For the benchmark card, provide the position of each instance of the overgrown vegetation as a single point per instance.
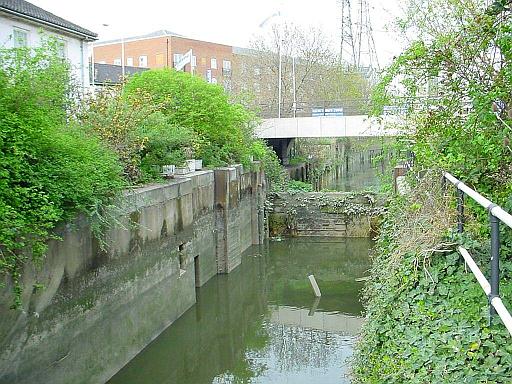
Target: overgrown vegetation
(223, 132)
(427, 317)
(449, 79)
(61, 156)
(49, 170)
(299, 186)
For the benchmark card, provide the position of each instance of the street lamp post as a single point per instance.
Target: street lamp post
(294, 90)
(280, 87)
(280, 70)
(92, 57)
(122, 57)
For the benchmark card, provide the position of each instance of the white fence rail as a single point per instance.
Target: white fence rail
(496, 214)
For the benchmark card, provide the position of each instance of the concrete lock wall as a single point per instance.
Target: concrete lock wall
(325, 214)
(101, 306)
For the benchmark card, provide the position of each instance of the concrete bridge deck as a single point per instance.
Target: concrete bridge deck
(327, 126)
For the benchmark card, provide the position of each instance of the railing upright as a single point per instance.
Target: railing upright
(460, 211)
(496, 214)
(495, 260)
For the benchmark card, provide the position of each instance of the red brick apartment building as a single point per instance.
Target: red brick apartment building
(163, 48)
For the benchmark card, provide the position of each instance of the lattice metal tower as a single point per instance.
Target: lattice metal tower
(366, 51)
(347, 43)
(357, 46)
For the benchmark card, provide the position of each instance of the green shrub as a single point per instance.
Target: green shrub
(117, 120)
(274, 171)
(299, 186)
(454, 127)
(165, 143)
(224, 131)
(49, 172)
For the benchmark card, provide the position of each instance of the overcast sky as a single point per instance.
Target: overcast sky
(232, 22)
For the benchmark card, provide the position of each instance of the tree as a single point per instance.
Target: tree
(467, 54)
(319, 78)
(464, 48)
(50, 170)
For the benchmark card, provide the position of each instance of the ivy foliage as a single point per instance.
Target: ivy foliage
(299, 186)
(427, 316)
(49, 170)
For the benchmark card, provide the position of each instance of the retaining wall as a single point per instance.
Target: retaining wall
(101, 306)
(325, 214)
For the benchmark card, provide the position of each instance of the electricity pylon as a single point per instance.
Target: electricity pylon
(357, 47)
(347, 43)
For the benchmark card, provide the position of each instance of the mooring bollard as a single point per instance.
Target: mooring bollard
(316, 290)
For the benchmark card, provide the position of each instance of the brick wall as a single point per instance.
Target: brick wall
(134, 49)
(160, 51)
(204, 52)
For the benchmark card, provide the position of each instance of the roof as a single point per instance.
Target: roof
(159, 33)
(26, 10)
(245, 51)
(111, 74)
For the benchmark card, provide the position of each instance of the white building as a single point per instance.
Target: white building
(22, 24)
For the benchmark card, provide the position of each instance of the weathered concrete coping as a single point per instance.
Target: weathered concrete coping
(181, 185)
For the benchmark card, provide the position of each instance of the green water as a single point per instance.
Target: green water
(262, 324)
(361, 175)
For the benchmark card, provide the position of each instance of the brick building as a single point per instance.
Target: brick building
(163, 48)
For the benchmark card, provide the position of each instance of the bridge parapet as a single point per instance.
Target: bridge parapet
(327, 126)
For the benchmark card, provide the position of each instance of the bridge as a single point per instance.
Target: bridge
(326, 127)
(280, 133)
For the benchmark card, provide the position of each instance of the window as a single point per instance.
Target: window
(143, 61)
(194, 61)
(213, 63)
(226, 68)
(117, 61)
(129, 61)
(20, 38)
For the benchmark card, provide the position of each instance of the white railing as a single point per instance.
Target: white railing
(496, 214)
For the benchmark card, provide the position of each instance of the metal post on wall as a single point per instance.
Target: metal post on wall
(495, 259)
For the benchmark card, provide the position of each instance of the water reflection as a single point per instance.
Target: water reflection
(322, 321)
(362, 173)
(261, 324)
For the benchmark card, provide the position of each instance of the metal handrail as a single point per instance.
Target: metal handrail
(494, 209)
(496, 214)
